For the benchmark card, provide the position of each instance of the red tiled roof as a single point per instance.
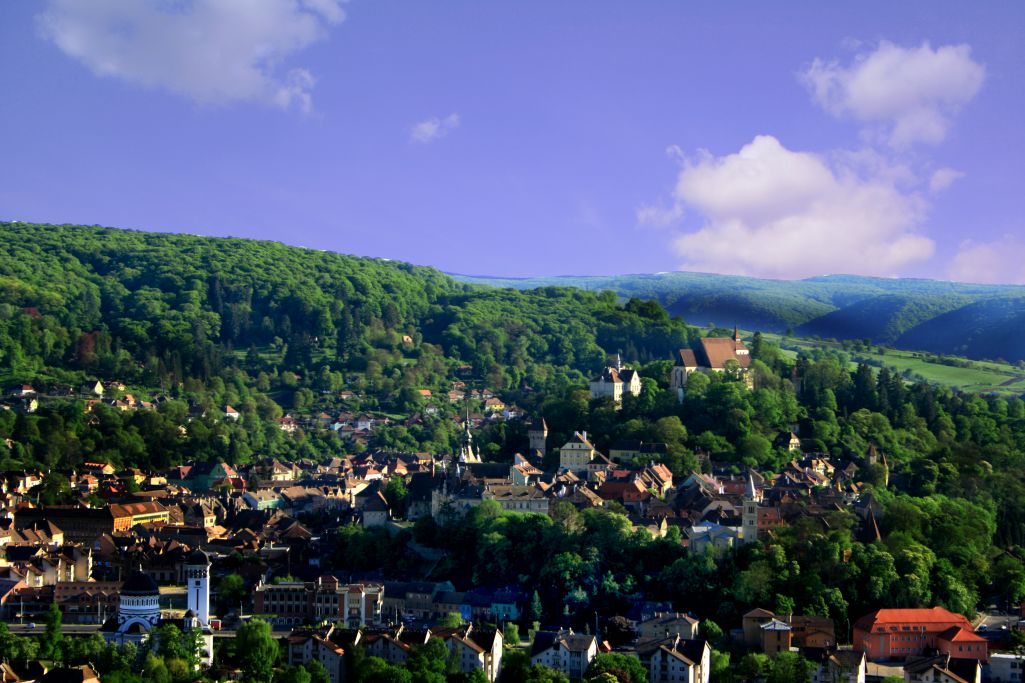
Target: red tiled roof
(896, 617)
(688, 359)
(956, 634)
(718, 350)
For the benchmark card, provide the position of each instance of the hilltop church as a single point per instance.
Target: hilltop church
(712, 355)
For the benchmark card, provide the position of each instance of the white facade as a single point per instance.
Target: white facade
(1006, 668)
(197, 578)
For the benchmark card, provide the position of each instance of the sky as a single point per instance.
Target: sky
(782, 140)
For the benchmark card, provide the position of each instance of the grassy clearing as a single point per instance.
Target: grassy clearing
(976, 376)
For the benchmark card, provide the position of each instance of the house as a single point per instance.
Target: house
(710, 537)
(1006, 667)
(836, 666)
(564, 651)
(713, 354)
(812, 631)
(472, 650)
(776, 636)
(129, 514)
(666, 624)
(231, 414)
(576, 454)
(515, 498)
(904, 633)
(787, 441)
(628, 450)
(676, 660)
(376, 511)
(615, 380)
(752, 625)
(943, 668)
(327, 646)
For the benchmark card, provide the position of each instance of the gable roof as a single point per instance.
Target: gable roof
(718, 350)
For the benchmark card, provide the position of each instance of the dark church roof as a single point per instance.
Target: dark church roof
(139, 584)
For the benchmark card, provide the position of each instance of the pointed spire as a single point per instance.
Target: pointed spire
(752, 491)
(736, 333)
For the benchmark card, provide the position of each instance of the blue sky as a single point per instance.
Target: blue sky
(529, 138)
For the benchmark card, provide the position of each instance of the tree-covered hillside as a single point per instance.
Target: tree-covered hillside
(267, 328)
(886, 311)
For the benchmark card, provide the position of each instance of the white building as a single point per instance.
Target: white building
(615, 380)
(564, 651)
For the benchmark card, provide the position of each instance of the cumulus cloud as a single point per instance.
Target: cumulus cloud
(773, 212)
(998, 262)
(904, 95)
(433, 129)
(211, 51)
(942, 178)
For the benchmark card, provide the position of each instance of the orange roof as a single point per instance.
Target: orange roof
(896, 617)
(718, 350)
(956, 634)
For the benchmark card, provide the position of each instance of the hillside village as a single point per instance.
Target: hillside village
(113, 559)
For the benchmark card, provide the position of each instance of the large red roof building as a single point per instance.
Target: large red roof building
(902, 633)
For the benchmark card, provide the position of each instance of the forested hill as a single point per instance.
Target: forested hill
(978, 321)
(157, 309)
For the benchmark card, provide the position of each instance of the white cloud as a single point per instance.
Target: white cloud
(433, 128)
(773, 212)
(211, 51)
(659, 216)
(905, 95)
(942, 178)
(999, 262)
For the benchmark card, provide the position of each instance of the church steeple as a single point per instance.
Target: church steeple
(467, 453)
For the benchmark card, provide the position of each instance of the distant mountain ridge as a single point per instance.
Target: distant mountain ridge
(978, 321)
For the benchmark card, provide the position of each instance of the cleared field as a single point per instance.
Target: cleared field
(975, 376)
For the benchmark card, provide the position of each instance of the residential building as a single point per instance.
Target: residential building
(564, 651)
(326, 599)
(836, 666)
(473, 649)
(576, 454)
(666, 624)
(676, 660)
(943, 668)
(1006, 667)
(129, 514)
(615, 380)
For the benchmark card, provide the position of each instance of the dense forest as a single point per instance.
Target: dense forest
(978, 321)
(267, 328)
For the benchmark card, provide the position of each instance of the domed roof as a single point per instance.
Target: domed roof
(197, 556)
(138, 583)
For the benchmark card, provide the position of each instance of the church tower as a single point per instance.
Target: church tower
(197, 585)
(749, 517)
(538, 435)
(467, 453)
